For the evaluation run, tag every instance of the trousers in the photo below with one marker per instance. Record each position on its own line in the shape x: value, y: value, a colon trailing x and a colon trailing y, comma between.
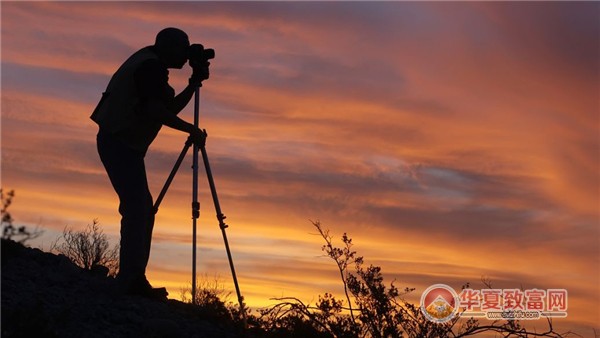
x: 127, y: 173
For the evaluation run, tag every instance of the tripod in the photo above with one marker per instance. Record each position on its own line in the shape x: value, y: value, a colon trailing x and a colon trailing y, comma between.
x: 196, y: 204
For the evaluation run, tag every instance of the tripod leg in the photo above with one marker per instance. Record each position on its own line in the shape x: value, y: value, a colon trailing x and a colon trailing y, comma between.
x: 163, y: 192
x: 195, y: 203
x: 223, y: 226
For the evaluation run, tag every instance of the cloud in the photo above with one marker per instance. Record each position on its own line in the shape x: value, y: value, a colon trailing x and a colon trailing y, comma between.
x: 79, y: 86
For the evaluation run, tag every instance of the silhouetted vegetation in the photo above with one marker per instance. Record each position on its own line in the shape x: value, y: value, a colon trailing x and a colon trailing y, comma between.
x: 372, y: 309
x: 210, y: 295
x: 88, y: 248
x: 18, y: 234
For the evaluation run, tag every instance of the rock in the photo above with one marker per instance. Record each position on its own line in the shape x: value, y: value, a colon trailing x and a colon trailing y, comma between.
x: 99, y: 270
x: 162, y: 328
x: 45, y: 295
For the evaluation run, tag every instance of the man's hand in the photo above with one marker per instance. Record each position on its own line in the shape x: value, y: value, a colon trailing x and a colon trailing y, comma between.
x: 198, y: 137
x: 199, y: 74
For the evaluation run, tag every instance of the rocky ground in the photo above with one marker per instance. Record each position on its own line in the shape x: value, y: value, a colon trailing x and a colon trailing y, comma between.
x: 46, y: 295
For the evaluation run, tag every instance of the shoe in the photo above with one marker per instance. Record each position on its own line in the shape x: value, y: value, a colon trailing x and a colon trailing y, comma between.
x: 141, y: 287
x: 151, y: 293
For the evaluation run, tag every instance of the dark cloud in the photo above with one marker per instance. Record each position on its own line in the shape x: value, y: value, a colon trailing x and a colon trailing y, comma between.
x: 75, y: 86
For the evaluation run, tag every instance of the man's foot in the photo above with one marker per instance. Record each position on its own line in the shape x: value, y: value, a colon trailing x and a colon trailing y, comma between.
x: 141, y: 287
x: 152, y: 293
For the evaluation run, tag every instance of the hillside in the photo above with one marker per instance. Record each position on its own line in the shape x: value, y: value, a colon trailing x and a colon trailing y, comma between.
x: 46, y: 295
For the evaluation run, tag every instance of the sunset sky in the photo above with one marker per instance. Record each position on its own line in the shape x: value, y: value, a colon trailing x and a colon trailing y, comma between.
x: 451, y: 141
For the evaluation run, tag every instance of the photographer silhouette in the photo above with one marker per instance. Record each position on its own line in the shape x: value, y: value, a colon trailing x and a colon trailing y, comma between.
x: 137, y: 102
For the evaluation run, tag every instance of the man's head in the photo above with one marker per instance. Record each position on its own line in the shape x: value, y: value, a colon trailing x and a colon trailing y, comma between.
x: 172, y: 45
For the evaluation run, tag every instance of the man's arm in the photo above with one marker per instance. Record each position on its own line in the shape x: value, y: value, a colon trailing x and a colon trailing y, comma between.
x: 162, y: 114
x: 181, y: 100
x: 159, y: 101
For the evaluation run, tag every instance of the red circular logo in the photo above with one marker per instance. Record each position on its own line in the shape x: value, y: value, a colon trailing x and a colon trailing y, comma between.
x: 439, y: 303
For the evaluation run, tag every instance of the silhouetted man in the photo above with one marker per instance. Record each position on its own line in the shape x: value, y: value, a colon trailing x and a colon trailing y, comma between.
x: 136, y: 104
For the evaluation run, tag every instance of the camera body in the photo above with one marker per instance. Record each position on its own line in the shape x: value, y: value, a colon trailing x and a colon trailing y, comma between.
x: 198, y: 56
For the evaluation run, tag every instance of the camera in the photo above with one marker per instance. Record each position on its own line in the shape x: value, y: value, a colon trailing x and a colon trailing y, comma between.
x: 198, y: 56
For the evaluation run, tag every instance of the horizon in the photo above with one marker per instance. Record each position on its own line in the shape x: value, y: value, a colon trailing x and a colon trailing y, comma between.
x: 450, y: 141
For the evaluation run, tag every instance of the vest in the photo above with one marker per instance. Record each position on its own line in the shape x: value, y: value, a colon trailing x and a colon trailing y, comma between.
x: 118, y: 111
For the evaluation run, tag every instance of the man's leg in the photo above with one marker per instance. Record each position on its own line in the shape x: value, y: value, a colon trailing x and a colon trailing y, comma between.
x: 136, y: 224
x: 126, y: 170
